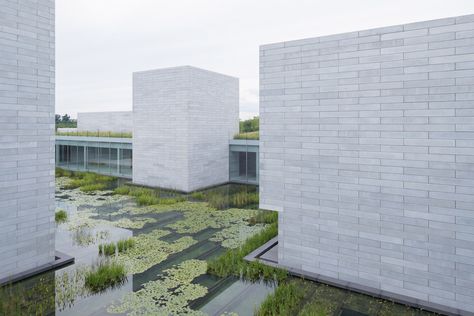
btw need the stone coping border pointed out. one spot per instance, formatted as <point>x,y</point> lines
<point>61,260</point>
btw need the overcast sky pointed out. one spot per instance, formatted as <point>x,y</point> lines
<point>99,43</point>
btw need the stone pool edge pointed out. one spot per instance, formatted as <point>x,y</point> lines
<point>61,260</point>
<point>398,298</point>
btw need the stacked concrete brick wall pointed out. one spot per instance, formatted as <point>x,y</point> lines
<point>184,118</point>
<point>27,135</point>
<point>367,149</point>
<point>120,121</point>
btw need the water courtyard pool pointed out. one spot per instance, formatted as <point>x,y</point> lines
<point>166,269</point>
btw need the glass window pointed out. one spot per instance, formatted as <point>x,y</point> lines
<point>80,157</point>
<point>126,162</point>
<point>104,160</point>
<point>251,166</point>
<point>93,158</point>
<point>113,161</point>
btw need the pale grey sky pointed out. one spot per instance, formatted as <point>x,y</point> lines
<point>99,43</point>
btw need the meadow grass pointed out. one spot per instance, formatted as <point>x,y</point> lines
<point>105,275</point>
<point>60,216</point>
<point>248,135</point>
<point>96,134</point>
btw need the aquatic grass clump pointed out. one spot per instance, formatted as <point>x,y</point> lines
<point>232,261</point>
<point>147,197</point>
<point>122,190</point>
<point>125,244</point>
<point>59,172</point>
<point>238,196</point>
<point>107,249</point>
<point>105,275</point>
<point>88,181</point>
<point>93,187</point>
<point>264,217</point>
<point>122,245</point>
<point>144,200</point>
<point>244,198</point>
<point>198,195</point>
<point>60,216</point>
<point>286,298</point>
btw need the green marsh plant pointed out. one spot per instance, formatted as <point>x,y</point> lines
<point>60,216</point>
<point>105,275</point>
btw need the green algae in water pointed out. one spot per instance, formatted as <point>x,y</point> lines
<point>199,219</point>
<point>169,295</point>
<point>234,236</point>
<point>149,250</point>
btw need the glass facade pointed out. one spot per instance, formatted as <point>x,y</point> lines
<point>243,161</point>
<point>112,158</point>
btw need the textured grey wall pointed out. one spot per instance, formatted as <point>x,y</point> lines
<point>120,121</point>
<point>27,140</point>
<point>183,120</point>
<point>367,148</point>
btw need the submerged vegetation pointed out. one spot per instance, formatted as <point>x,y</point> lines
<point>85,181</point>
<point>96,134</point>
<point>35,296</point>
<point>106,274</point>
<point>60,216</point>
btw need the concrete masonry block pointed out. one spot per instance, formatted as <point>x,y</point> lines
<point>384,156</point>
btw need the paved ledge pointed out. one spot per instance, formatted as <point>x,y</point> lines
<point>247,142</point>
<point>61,260</point>
<point>266,254</point>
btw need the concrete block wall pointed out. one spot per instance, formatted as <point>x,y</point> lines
<point>119,121</point>
<point>184,118</point>
<point>27,66</point>
<point>367,150</point>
